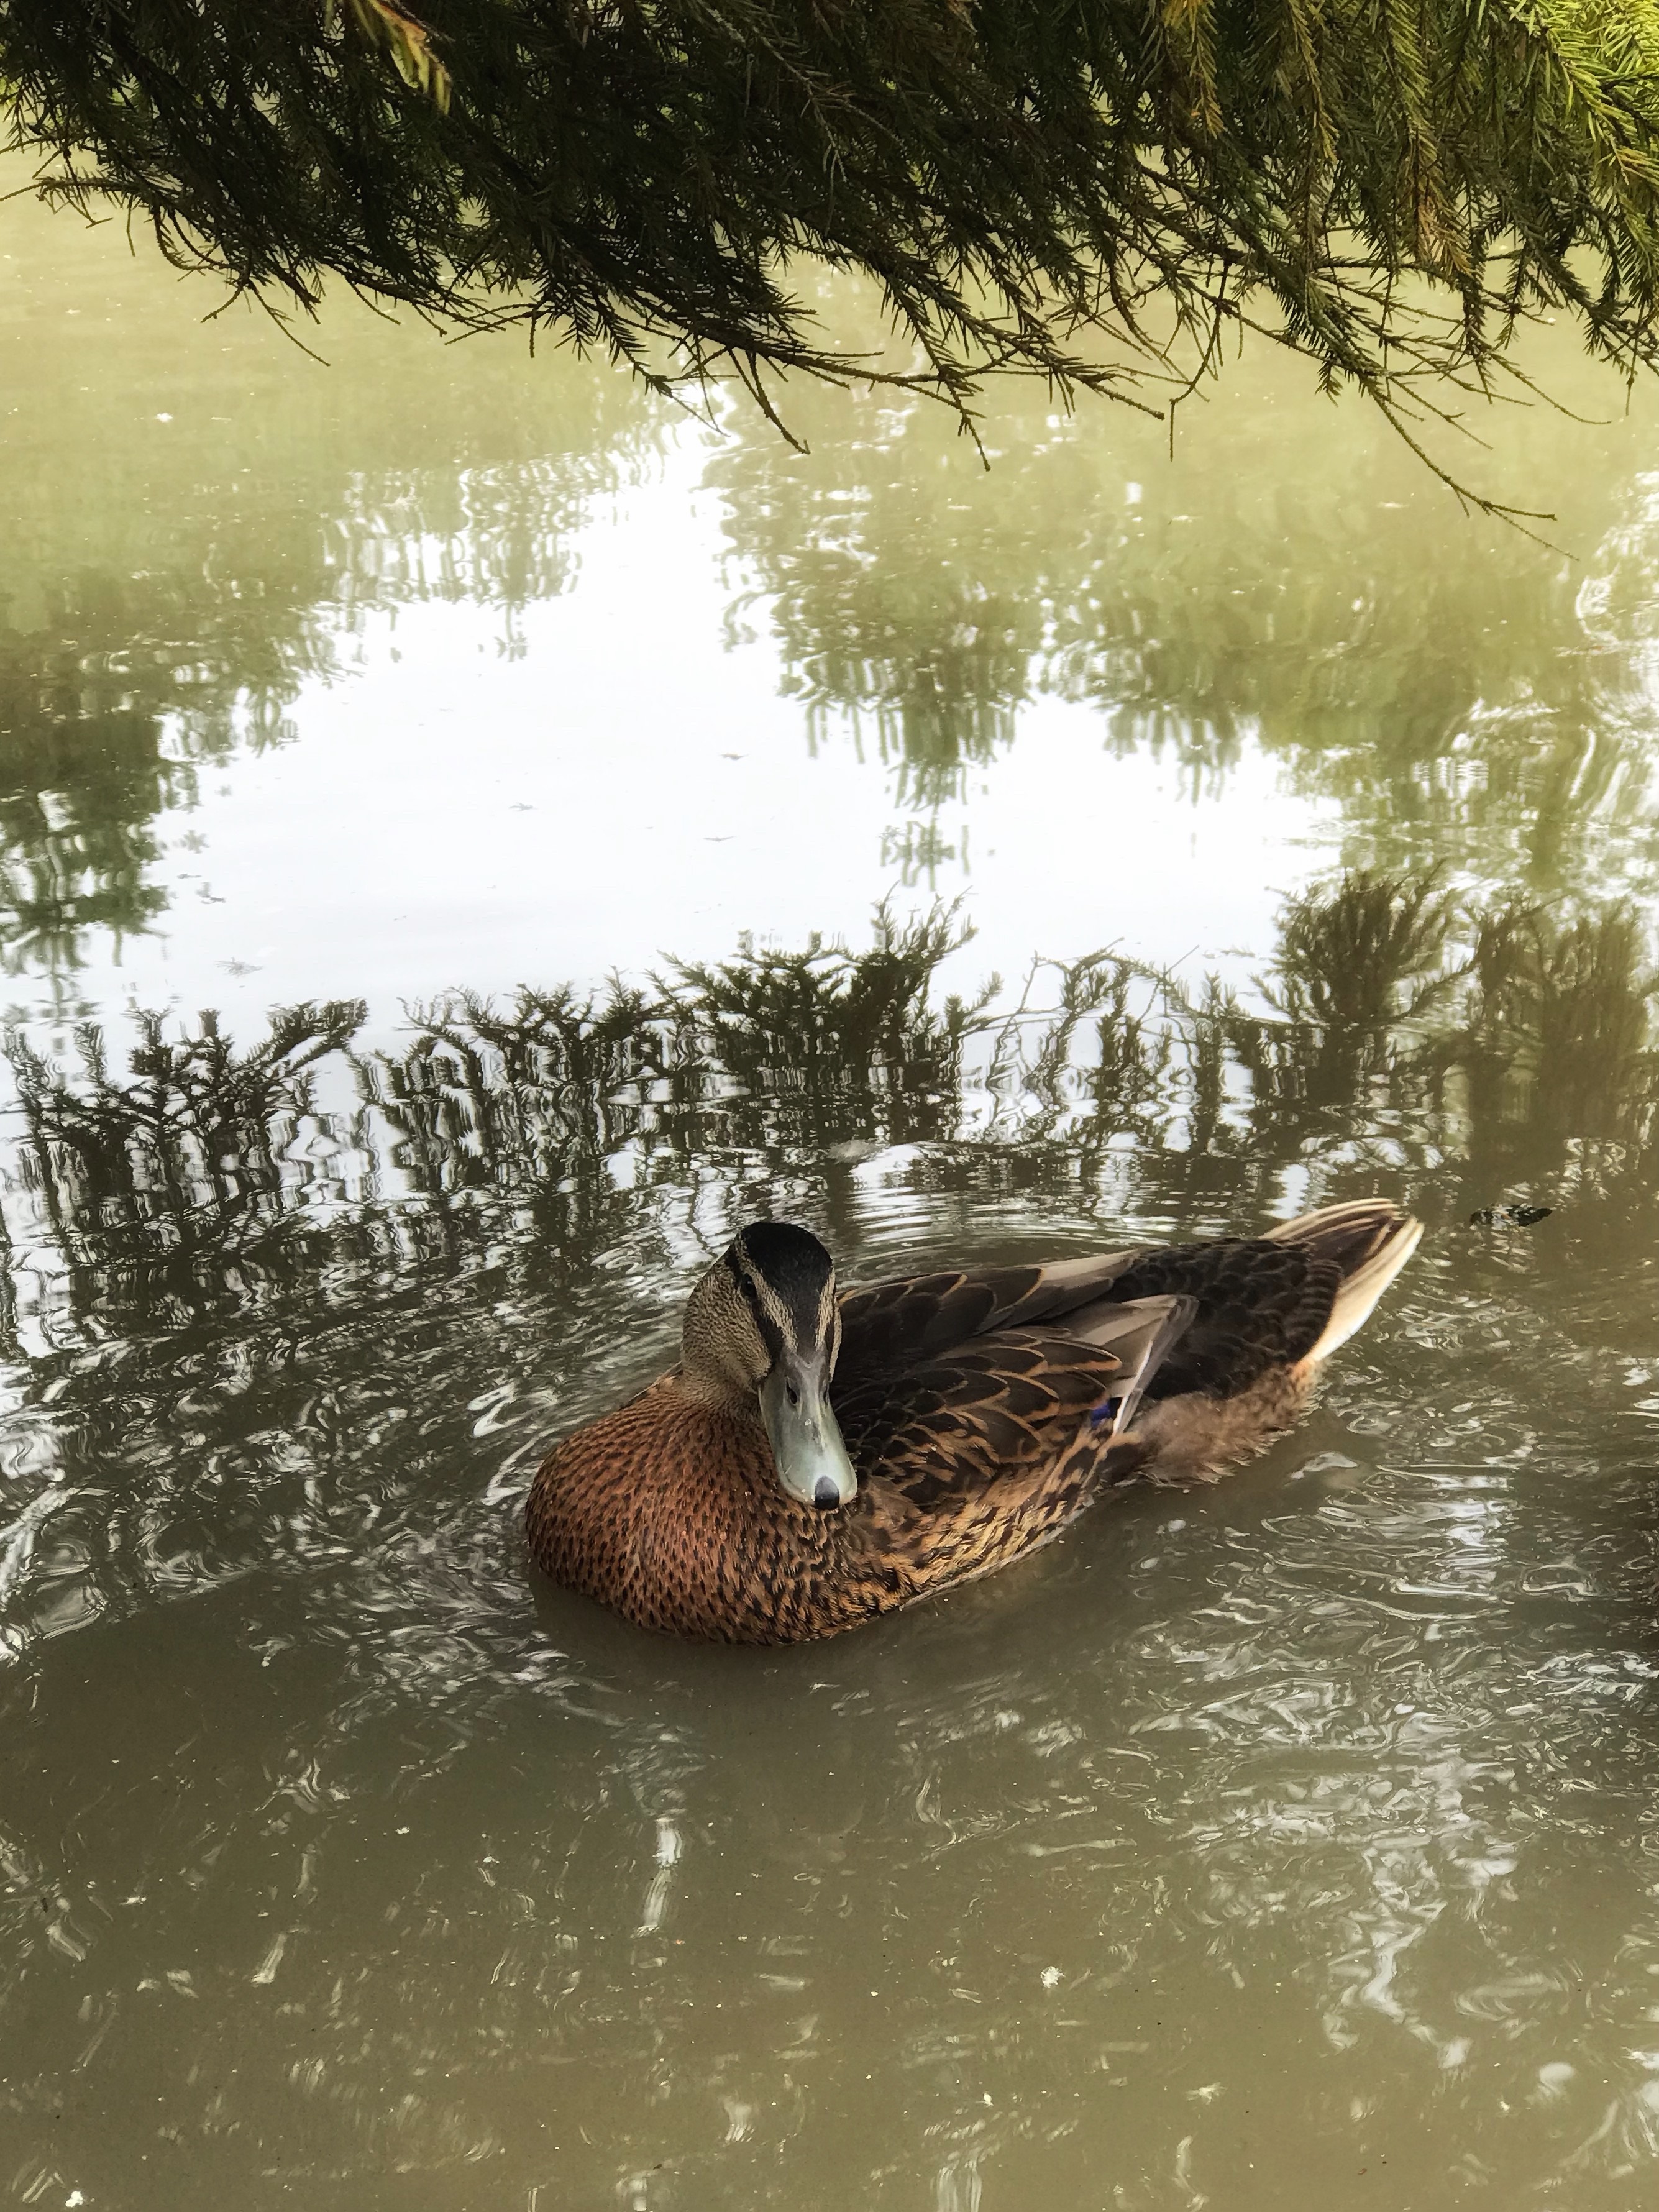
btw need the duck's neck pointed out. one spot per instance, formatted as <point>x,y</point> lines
<point>715,1395</point>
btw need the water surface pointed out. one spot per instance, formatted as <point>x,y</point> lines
<point>445,801</point>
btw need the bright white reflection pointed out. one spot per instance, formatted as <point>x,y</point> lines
<point>613,780</point>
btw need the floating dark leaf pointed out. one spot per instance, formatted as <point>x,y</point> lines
<point>1509,1217</point>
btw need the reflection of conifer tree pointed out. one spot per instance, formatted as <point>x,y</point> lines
<point>1365,956</point>
<point>1392,1020</point>
<point>218,583</point>
<point>1557,1051</point>
<point>830,1037</point>
<point>108,712</point>
<point>525,1108</point>
<point>85,774</point>
<point>1451,707</point>
<point>179,1167</point>
<point>1360,972</point>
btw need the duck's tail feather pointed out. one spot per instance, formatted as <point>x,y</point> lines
<point>1141,1332</point>
<point>1369,1240</point>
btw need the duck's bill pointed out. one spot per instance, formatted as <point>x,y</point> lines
<point>812,1462</point>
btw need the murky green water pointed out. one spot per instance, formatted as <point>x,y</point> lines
<point>1291,1845</point>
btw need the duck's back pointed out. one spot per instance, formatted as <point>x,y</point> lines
<point>1254,1303</point>
<point>1199,1352</point>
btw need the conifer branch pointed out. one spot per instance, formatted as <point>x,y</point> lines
<point>1388,187</point>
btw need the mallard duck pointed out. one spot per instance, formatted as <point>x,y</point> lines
<point>818,1458</point>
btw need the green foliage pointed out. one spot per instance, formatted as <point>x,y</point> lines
<point>1386,185</point>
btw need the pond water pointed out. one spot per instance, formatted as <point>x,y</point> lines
<point>470,836</point>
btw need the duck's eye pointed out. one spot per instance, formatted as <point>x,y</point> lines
<point>746,1285</point>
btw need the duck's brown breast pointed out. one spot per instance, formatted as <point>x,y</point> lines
<point>670,1512</point>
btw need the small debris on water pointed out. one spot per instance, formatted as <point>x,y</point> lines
<point>1509,1217</point>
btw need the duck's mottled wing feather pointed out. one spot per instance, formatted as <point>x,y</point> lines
<point>1000,1406</point>
<point>1257,1305</point>
<point>888,1327</point>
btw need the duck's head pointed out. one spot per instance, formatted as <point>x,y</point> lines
<point>762,1332</point>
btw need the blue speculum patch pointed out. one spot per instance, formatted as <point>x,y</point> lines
<point>1105,1411</point>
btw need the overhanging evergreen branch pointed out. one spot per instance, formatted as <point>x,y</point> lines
<point>1388,185</point>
